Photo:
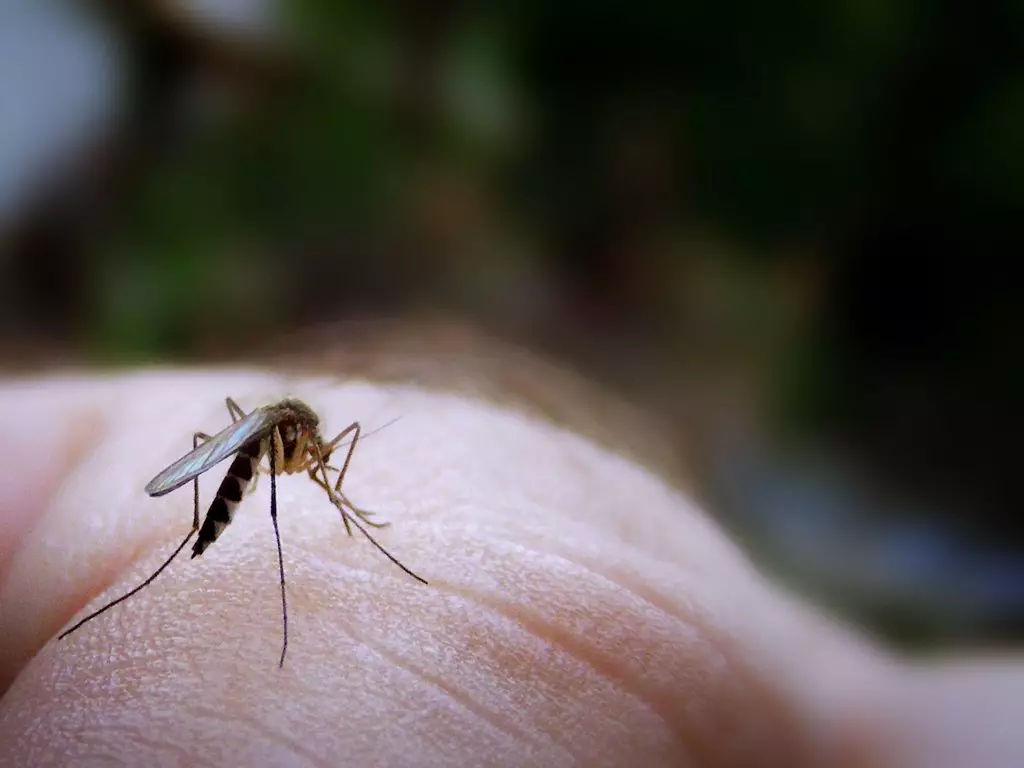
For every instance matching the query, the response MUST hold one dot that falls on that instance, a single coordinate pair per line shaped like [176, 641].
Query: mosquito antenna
[277, 536]
[125, 596]
[373, 431]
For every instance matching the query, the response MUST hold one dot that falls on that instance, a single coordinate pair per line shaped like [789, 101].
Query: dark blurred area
[778, 227]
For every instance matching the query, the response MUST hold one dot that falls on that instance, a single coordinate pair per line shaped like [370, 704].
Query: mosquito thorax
[299, 413]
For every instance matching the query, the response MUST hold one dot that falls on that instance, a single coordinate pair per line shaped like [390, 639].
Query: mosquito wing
[225, 443]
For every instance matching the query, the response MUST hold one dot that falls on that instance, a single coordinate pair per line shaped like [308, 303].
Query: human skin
[579, 611]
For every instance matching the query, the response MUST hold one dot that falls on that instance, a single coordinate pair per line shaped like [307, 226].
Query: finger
[578, 609]
[44, 428]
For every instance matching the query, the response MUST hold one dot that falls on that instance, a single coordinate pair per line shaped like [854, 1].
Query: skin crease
[579, 612]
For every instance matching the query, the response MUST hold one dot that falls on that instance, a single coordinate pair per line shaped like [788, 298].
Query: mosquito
[288, 433]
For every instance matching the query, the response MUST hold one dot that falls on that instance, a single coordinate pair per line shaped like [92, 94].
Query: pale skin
[579, 611]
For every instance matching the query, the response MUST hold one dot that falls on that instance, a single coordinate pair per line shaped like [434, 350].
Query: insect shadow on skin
[288, 433]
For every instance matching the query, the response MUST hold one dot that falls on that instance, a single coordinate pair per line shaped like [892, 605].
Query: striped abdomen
[232, 488]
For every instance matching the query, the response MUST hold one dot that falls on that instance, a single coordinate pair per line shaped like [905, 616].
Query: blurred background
[778, 227]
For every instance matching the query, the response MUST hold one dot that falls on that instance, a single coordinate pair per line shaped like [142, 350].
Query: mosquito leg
[276, 437]
[346, 518]
[196, 437]
[310, 465]
[364, 514]
[260, 470]
[315, 461]
[326, 485]
[234, 409]
[355, 429]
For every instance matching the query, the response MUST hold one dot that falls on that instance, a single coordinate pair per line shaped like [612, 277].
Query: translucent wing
[225, 443]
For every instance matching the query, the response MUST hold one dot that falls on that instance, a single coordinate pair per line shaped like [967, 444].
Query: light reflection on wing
[225, 443]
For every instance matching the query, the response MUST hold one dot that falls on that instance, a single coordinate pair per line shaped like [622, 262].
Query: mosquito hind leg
[196, 437]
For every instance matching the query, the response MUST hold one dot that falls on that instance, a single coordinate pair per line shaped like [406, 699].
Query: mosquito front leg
[347, 519]
[355, 428]
[364, 514]
[342, 502]
[310, 464]
[316, 462]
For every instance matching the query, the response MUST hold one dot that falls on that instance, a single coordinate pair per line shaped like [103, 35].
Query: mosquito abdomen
[232, 488]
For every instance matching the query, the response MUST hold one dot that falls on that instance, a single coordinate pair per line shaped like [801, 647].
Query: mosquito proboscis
[288, 433]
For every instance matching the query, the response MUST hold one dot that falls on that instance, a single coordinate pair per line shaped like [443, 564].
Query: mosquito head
[298, 426]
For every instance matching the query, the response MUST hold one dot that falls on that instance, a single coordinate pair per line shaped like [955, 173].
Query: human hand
[579, 610]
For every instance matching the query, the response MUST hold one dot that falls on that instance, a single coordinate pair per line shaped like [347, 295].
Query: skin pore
[580, 610]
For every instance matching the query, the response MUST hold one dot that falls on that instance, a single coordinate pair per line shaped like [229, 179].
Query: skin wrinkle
[722, 643]
[560, 638]
[95, 738]
[256, 726]
[473, 725]
[481, 601]
[462, 700]
[261, 727]
[751, 682]
[754, 678]
[702, 623]
[723, 646]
